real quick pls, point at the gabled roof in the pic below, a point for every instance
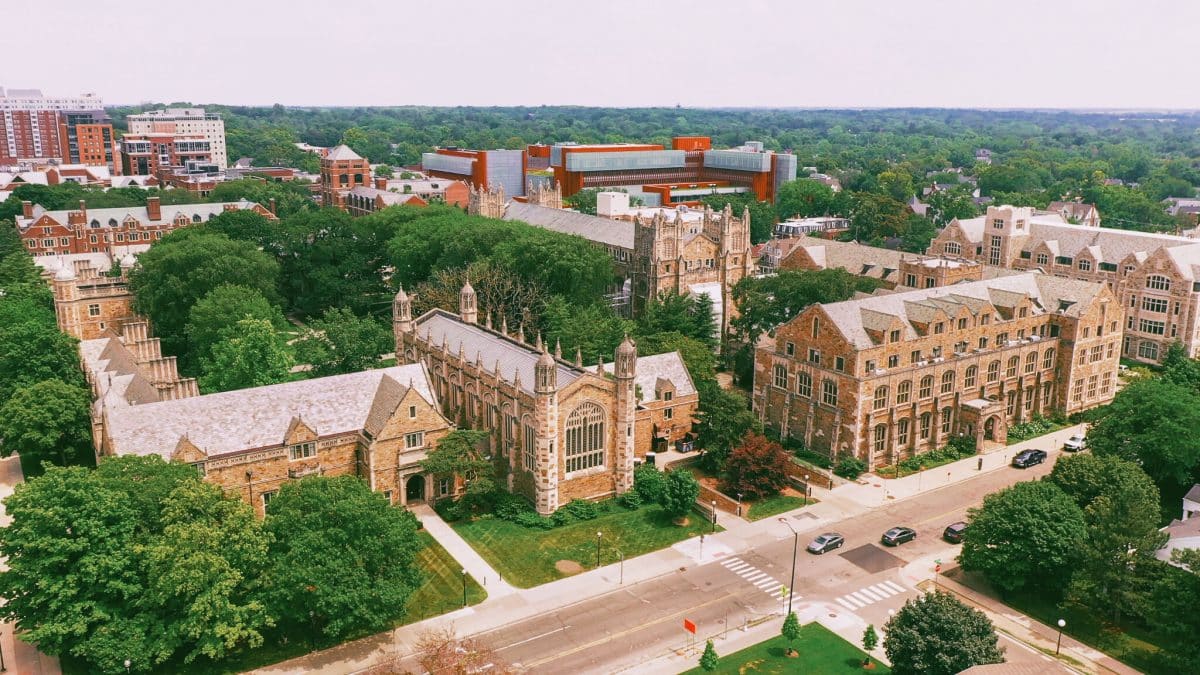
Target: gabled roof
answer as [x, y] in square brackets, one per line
[167, 213]
[617, 233]
[651, 369]
[235, 421]
[342, 152]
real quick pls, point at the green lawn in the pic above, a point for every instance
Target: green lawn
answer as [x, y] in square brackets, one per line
[771, 506]
[526, 556]
[821, 651]
[440, 593]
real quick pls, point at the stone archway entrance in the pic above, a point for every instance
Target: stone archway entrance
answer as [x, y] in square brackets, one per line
[414, 489]
[989, 429]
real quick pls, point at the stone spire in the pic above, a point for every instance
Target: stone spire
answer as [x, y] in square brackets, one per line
[468, 307]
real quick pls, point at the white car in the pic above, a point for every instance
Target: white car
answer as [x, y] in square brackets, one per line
[1075, 443]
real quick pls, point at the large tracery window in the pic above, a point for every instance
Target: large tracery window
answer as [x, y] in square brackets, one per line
[585, 437]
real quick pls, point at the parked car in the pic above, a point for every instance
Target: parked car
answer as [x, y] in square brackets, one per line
[954, 532]
[897, 536]
[826, 542]
[1027, 458]
[1075, 443]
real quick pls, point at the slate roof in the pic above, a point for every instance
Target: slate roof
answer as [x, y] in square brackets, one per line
[437, 326]
[139, 213]
[617, 233]
[854, 317]
[389, 198]
[245, 419]
[342, 152]
[650, 369]
[1070, 240]
[115, 371]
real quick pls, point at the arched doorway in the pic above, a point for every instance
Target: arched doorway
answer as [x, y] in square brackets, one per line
[989, 429]
[414, 489]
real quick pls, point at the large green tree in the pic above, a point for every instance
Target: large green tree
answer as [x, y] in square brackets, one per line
[220, 310]
[184, 267]
[674, 312]
[34, 351]
[332, 260]
[723, 419]
[48, 421]
[251, 353]
[1152, 422]
[805, 198]
[766, 302]
[592, 330]
[340, 342]
[457, 454]
[936, 634]
[342, 558]
[1024, 537]
[679, 492]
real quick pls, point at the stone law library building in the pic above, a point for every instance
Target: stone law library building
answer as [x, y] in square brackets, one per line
[886, 376]
[567, 431]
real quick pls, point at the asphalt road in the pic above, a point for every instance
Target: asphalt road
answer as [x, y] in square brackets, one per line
[643, 621]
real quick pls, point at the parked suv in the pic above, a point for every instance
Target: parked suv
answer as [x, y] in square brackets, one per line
[1027, 458]
[1075, 443]
[954, 532]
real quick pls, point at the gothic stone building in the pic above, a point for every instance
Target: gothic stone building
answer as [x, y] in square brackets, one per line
[1155, 276]
[88, 301]
[376, 424]
[566, 431]
[678, 251]
[893, 374]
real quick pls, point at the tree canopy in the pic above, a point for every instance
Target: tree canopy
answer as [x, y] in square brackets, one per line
[1152, 422]
[936, 634]
[250, 353]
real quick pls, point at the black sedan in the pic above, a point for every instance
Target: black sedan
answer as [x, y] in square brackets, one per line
[954, 532]
[826, 542]
[897, 536]
[1027, 458]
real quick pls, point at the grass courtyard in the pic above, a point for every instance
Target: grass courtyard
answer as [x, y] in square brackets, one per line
[527, 557]
[821, 651]
[773, 506]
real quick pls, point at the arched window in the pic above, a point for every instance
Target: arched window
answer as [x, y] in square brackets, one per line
[926, 421]
[970, 376]
[993, 371]
[902, 432]
[829, 391]
[94, 223]
[585, 437]
[529, 444]
[947, 381]
[881, 397]
[926, 387]
[1048, 359]
[1158, 282]
[880, 437]
[1031, 362]
[196, 218]
[804, 385]
[1013, 363]
[112, 222]
[903, 391]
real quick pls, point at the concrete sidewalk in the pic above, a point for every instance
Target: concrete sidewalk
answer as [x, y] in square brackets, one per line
[466, 556]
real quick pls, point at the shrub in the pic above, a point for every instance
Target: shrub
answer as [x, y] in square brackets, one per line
[449, 510]
[757, 467]
[648, 482]
[813, 457]
[631, 500]
[562, 517]
[581, 509]
[679, 493]
[849, 467]
[508, 506]
[532, 520]
[1034, 427]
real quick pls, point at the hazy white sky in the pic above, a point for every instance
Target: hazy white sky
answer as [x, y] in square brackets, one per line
[976, 53]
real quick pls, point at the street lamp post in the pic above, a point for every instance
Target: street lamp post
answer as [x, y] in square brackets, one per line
[128, 663]
[795, 548]
[3, 668]
[739, 504]
[714, 515]
[1062, 623]
[464, 578]
[598, 536]
[807, 490]
[621, 555]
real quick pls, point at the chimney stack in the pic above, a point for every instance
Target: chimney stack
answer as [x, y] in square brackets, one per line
[153, 210]
[271, 206]
[381, 183]
[27, 209]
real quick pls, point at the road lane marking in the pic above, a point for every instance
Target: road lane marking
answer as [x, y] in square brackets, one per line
[535, 637]
[768, 585]
[731, 561]
[740, 567]
[861, 598]
[898, 588]
[754, 577]
[882, 590]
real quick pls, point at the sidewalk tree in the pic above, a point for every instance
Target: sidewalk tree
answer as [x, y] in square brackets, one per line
[340, 342]
[757, 467]
[251, 353]
[48, 421]
[1152, 422]
[649, 483]
[1024, 536]
[870, 640]
[679, 493]
[709, 659]
[457, 454]
[342, 557]
[442, 651]
[935, 634]
[791, 632]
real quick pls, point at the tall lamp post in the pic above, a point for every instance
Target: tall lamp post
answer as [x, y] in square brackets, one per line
[795, 548]
[807, 490]
[714, 515]
[1062, 623]
[127, 664]
[598, 536]
[464, 578]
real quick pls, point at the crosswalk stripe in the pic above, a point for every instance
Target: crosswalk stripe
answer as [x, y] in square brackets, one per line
[882, 590]
[740, 567]
[843, 603]
[871, 594]
[730, 562]
[854, 601]
[754, 576]
[898, 587]
[768, 584]
[861, 598]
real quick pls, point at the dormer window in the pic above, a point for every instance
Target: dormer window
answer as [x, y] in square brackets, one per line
[302, 450]
[668, 395]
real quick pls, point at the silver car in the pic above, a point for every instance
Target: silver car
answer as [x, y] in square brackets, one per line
[826, 542]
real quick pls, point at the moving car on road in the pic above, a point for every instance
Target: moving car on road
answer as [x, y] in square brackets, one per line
[897, 536]
[826, 542]
[954, 532]
[1027, 458]
[1075, 443]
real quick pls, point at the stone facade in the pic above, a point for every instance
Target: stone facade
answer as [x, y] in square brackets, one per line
[890, 268]
[886, 376]
[1155, 276]
[88, 301]
[376, 424]
[565, 431]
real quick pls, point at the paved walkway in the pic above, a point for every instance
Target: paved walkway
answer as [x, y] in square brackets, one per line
[466, 556]
[19, 657]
